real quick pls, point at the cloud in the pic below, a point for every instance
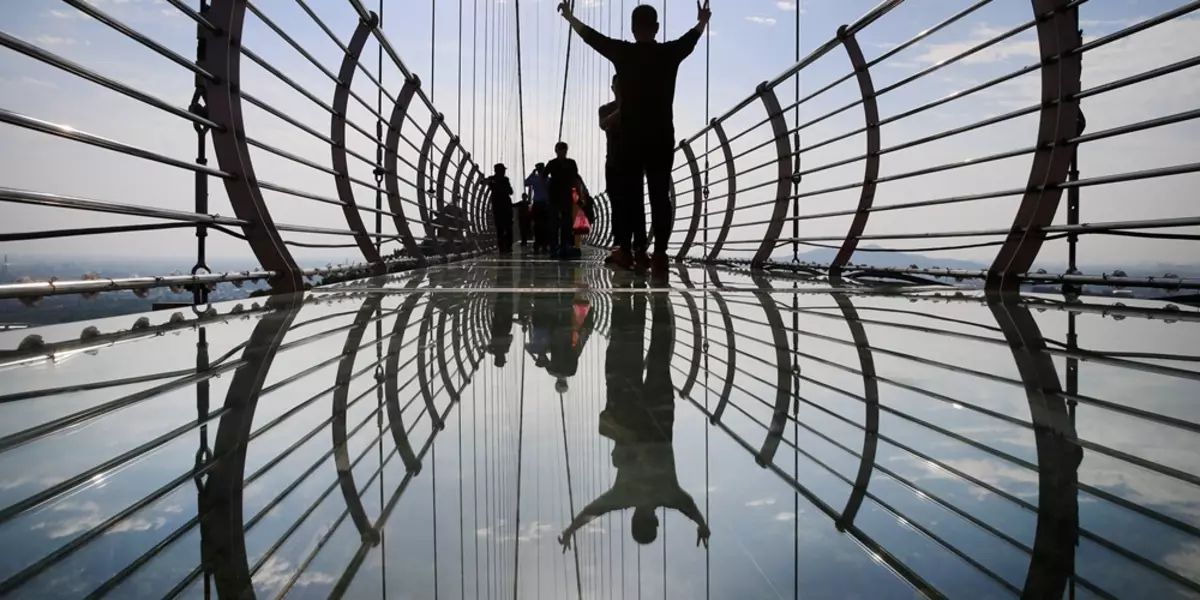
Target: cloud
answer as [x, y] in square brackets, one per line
[761, 20]
[1023, 46]
[785, 516]
[761, 502]
[788, 6]
[276, 572]
[68, 14]
[53, 40]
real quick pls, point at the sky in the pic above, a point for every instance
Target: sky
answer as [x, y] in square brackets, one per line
[472, 80]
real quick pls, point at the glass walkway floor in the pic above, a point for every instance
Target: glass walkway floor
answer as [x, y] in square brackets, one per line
[507, 428]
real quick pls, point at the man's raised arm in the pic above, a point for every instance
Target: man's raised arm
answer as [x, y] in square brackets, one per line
[606, 46]
[687, 42]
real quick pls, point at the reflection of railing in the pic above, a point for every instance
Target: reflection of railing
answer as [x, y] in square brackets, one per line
[1058, 134]
[449, 229]
[1052, 418]
[220, 473]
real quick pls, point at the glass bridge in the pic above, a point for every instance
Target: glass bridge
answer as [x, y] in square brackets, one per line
[928, 332]
[434, 433]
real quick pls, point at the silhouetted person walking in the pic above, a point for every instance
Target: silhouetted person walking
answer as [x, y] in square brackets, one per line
[563, 176]
[502, 212]
[539, 190]
[647, 72]
[640, 418]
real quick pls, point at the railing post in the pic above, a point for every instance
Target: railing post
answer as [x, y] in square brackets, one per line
[730, 185]
[422, 191]
[337, 132]
[1058, 40]
[224, 101]
[783, 186]
[697, 200]
[390, 166]
[871, 167]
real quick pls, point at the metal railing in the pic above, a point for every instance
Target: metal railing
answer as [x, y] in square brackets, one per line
[432, 198]
[749, 188]
[735, 357]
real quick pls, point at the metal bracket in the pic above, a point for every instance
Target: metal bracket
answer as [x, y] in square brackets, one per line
[337, 132]
[871, 167]
[783, 185]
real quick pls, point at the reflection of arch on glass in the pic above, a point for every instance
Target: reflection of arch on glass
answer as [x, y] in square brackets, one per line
[423, 342]
[697, 339]
[341, 455]
[783, 375]
[391, 386]
[730, 343]
[222, 530]
[1058, 452]
[866, 361]
[442, 364]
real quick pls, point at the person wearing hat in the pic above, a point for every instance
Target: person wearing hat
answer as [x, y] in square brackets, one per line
[501, 196]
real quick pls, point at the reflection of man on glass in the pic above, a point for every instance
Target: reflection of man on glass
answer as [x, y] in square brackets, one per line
[503, 308]
[640, 418]
[572, 320]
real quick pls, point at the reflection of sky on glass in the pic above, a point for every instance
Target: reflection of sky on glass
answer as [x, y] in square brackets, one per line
[953, 496]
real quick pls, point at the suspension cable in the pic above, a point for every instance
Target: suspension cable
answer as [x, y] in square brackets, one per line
[520, 88]
[562, 113]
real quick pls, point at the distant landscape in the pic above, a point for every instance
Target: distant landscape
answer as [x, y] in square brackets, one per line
[61, 309]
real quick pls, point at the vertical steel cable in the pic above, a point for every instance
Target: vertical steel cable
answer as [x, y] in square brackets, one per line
[562, 113]
[520, 441]
[521, 114]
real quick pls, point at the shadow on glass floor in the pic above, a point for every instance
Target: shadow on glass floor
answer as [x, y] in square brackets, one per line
[725, 436]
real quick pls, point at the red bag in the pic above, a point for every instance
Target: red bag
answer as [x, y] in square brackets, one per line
[582, 225]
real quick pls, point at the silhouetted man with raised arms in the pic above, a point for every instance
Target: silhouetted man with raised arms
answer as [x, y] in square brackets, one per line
[647, 72]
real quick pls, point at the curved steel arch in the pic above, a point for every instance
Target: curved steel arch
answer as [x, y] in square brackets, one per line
[866, 361]
[422, 192]
[731, 190]
[783, 184]
[697, 200]
[391, 386]
[222, 530]
[1059, 38]
[337, 132]
[391, 159]
[866, 199]
[443, 169]
[1053, 561]
[224, 103]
